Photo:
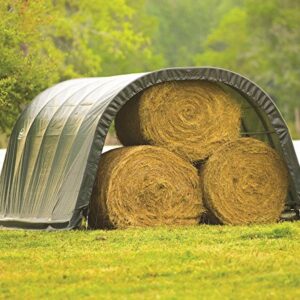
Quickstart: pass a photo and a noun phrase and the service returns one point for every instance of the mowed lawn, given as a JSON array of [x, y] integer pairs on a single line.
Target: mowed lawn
[[205, 262]]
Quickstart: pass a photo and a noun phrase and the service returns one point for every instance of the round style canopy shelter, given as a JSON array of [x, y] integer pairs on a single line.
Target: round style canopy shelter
[[52, 159]]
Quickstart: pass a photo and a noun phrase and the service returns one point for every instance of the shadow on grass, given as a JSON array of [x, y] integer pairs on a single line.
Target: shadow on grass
[[276, 233]]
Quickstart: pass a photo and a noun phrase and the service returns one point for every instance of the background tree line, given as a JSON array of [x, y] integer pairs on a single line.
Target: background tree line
[[43, 42]]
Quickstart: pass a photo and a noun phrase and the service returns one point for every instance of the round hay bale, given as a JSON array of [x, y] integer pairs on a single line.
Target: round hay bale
[[245, 182], [190, 118], [145, 186]]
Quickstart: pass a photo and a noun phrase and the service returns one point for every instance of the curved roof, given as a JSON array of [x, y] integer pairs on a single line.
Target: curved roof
[[53, 154]]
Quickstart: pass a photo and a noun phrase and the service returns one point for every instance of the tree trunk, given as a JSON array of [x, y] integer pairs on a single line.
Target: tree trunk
[[297, 120]]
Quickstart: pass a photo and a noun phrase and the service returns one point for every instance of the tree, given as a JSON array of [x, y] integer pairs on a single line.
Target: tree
[[261, 40], [27, 57], [43, 42], [103, 37], [181, 28]]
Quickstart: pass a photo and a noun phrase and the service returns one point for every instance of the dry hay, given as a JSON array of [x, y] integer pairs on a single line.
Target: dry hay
[[145, 186], [245, 182], [190, 118]]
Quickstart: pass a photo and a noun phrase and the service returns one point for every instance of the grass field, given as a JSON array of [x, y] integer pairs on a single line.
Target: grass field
[[206, 262]]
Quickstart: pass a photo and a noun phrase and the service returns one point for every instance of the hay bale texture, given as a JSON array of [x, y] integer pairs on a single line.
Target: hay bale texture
[[145, 186], [190, 118], [245, 182]]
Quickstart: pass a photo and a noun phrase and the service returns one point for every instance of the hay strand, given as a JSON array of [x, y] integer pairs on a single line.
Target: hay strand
[[245, 182], [190, 118], [145, 186]]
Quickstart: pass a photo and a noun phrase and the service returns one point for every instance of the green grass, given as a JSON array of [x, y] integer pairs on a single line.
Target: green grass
[[206, 262]]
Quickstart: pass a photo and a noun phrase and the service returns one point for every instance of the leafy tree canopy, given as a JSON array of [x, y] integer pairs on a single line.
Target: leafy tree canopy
[[43, 42], [46, 41], [261, 39]]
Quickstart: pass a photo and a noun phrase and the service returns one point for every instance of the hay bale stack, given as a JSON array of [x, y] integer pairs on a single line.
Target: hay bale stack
[[190, 118], [245, 182], [145, 186]]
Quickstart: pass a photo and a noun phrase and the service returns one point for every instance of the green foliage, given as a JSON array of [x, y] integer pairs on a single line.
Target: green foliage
[[46, 41], [201, 262], [101, 37], [260, 40], [182, 28], [222, 48], [27, 58]]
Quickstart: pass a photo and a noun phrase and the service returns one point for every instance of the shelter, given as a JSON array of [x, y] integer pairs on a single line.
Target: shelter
[[54, 150]]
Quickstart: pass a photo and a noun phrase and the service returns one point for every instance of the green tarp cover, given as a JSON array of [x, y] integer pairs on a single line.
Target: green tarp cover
[[54, 150]]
